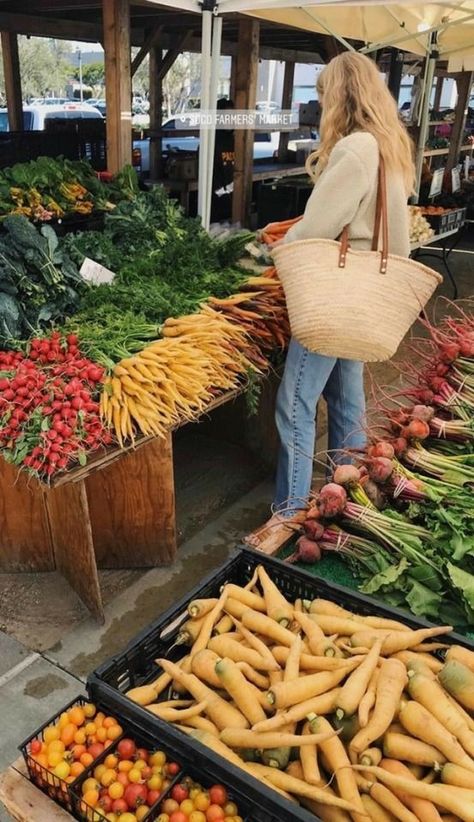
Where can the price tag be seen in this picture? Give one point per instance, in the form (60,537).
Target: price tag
(95,273)
(437,182)
(455,179)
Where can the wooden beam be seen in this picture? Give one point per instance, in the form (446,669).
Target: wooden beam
(286,100)
(150,40)
(50,27)
(438,93)
(118,83)
(245,99)
(464,84)
(233,72)
(11,71)
(156,107)
(172,54)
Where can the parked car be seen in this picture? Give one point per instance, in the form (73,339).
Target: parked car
(35,117)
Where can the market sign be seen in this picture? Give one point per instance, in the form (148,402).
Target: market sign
(95,273)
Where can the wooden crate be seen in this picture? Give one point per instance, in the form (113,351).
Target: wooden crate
(24,801)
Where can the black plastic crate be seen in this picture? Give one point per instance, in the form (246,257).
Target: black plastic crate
(136,665)
(86,813)
(192,775)
(42,777)
(451,220)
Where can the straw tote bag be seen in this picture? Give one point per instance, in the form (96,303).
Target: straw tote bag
(357,305)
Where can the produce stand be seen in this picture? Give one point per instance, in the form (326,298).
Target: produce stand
(448,240)
(118,511)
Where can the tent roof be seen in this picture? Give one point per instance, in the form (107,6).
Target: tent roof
(377,24)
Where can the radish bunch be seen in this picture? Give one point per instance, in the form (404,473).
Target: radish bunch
(49,409)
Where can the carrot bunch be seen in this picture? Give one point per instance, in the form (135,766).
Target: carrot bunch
(276,231)
(381,727)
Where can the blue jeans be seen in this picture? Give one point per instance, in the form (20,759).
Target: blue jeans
(305,378)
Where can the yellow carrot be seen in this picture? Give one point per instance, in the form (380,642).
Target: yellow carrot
(431,695)
(356,685)
(325,606)
(309,662)
(371,756)
(200,723)
(176,714)
(251,600)
(423,725)
(239,689)
(239,653)
(339,763)
(321,705)
(390,802)
(376,812)
(390,685)
(309,760)
(458,680)
(460,654)
(456,775)
(425,811)
(143,695)
(200,607)
(262,624)
(407,749)
(254,642)
(276,605)
(203,666)
(300,788)
(411,657)
(286,694)
(397,640)
(368,700)
(219,711)
(318,643)
(241,738)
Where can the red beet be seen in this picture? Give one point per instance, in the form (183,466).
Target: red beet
(306,551)
(332,500)
(313,529)
(419,430)
(382,449)
(380,469)
(400,445)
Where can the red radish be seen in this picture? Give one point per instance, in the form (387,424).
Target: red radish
(346,475)
(313,529)
(306,551)
(423,412)
(332,500)
(449,352)
(380,469)
(419,430)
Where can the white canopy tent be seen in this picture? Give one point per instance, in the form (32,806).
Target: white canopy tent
(443,30)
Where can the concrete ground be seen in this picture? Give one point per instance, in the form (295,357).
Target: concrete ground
(49,644)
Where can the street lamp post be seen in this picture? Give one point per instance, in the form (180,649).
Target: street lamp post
(79,57)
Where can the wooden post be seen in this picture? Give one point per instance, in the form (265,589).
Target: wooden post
(464,84)
(286,99)
(245,99)
(118,82)
(156,106)
(233,74)
(11,70)
(395,72)
(438,93)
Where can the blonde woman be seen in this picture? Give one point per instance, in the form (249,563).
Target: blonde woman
(359,124)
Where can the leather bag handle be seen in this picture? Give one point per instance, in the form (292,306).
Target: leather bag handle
(381,219)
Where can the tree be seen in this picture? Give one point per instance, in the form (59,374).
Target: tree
(93,74)
(44,67)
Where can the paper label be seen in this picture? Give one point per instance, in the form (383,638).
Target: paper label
(455,179)
(95,273)
(437,182)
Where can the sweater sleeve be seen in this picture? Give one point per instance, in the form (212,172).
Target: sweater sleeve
(335,198)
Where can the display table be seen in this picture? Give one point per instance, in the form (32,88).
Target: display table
(448,241)
(24,801)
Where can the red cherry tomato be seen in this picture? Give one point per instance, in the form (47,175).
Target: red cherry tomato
(179,816)
(119,806)
(152,797)
(96,749)
(126,749)
(214,813)
(36,746)
(106,803)
(173,768)
(218,795)
(180,793)
(142,753)
(135,795)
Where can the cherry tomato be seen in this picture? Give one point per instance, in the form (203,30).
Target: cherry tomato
(135,795)
(36,746)
(218,795)
(170,805)
(197,816)
(105,803)
(154,783)
(231,809)
(126,749)
(142,753)
(180,793)
(123,779)
(119,806)
(214,813)
(173,768)
(152,797)
(178,816)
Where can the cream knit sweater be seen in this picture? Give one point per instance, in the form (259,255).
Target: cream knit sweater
(346,194)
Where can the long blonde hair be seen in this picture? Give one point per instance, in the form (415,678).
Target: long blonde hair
(355,98)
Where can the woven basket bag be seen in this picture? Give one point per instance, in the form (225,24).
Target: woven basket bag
(357,305)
